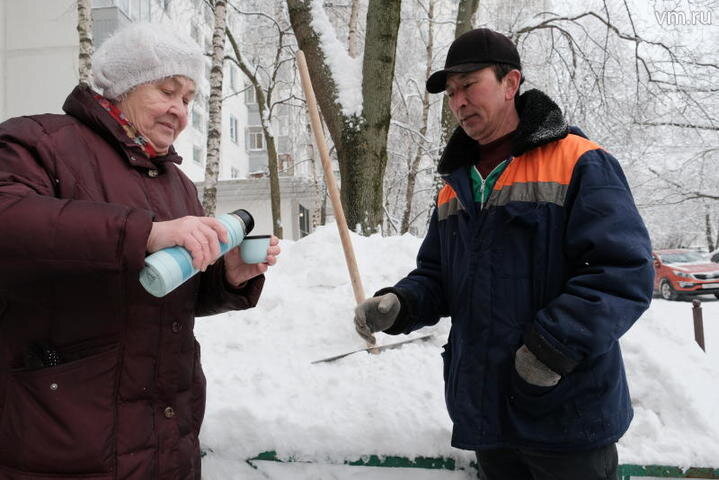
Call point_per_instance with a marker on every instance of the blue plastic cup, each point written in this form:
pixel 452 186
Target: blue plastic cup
pixel 253 248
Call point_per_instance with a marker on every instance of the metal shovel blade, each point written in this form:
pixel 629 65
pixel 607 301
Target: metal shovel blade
pixel 388 346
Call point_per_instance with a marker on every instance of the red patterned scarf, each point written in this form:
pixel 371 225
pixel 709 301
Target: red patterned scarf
pixel 131 131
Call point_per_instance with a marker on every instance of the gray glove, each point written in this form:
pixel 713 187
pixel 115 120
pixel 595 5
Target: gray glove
pixel 375 315
pixel 532 370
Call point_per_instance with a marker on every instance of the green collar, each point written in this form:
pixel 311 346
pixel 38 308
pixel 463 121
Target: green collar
pixel 482 187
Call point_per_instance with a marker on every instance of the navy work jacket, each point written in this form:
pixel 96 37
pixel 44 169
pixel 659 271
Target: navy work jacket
pixel 558 259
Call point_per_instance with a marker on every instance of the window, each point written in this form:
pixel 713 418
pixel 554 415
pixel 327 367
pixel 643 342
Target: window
pixel 124 6
pixel 286 165
pixel 234 173
pixel 137 10
pixel 255 139
pixel 197 154
pixel 304 218
pixel 233 78
pixel 198 118
pixel 233 128
pixel 145 10
pixel 250 98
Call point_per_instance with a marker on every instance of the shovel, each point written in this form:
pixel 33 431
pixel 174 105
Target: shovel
pixel 388 346
pixel 316 126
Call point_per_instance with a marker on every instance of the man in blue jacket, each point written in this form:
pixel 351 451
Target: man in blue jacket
pixel 538 254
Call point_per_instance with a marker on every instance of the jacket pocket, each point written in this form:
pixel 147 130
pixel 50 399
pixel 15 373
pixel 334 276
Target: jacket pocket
pixel 61 419
pixel 533 400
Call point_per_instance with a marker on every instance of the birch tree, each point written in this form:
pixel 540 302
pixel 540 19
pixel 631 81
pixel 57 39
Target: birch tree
pixel 84 30
pixel 353 35
pixel 263 95
pixel 650 94
pixel 423 146
pixel 360 137
pixel 214 125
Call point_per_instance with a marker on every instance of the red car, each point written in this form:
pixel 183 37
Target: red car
pixel 682 272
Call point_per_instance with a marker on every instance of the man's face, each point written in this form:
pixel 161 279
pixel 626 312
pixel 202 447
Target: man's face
pixel 482 104
pixel 159 110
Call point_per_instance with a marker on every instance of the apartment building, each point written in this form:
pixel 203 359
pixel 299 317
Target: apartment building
pixel 39 67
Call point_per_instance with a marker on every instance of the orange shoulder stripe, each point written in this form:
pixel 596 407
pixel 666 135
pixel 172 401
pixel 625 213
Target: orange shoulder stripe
pixel 446 194
pixel 553 162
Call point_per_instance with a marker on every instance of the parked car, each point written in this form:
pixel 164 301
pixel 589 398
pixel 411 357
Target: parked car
pixel 714 256
pixel 681 272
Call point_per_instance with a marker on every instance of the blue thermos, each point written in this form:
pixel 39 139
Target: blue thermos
pixel 167 269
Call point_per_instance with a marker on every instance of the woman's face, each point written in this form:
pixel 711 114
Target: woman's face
pixel 159 110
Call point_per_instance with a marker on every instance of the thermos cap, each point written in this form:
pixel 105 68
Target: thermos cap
pixel 246 219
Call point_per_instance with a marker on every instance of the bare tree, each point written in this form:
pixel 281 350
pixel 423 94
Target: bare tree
pixel 214 125
pixel 709 228
pixel 421 149
pixel 352 37
pixel 359 138
pixel 466 10
pixel 84 29
pixel 265 56
pixel 265 115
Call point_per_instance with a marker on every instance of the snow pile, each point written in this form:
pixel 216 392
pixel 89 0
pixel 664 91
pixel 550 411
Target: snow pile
pixel 263 393
pixel 674 388
pixel 346 71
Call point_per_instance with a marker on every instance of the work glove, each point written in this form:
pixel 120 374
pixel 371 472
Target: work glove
pixel 375 315
pixel 532 370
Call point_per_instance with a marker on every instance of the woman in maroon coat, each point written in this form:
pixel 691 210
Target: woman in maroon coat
pixel 99 379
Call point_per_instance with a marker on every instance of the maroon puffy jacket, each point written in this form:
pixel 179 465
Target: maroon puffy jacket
pixel 98 378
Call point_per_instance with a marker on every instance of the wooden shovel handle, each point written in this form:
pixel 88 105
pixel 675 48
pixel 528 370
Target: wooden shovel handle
pixel 330 180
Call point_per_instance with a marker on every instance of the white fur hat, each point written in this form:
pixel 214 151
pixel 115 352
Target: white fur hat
pixel 143 53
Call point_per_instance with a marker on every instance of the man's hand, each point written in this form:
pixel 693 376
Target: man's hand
pixel 375 315
pixel 238 272
pixel 201 236
pixel 532 370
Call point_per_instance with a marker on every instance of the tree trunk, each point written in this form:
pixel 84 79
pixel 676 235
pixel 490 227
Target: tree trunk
pixel 214 125
pixel 84 29
pixel 352 37
pixel 414 166
pixel 361 142
pixel 318 214
pixel 709 230
pixel 465 13
pixel 274 179
pixel 265 118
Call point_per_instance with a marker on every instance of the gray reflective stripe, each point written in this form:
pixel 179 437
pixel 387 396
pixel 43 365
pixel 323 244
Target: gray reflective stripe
pixel 449 208
pixel 550 192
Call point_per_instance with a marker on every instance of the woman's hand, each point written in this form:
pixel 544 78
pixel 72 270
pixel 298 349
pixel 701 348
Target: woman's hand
pixel 238 272
pixel 201 236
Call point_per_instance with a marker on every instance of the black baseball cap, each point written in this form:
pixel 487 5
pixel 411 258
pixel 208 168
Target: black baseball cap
pixel 472 51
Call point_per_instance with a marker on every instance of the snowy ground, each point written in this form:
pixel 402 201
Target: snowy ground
pixel 264 395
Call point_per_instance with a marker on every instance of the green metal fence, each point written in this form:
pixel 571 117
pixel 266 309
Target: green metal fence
pixel 625 472
pixel 633 471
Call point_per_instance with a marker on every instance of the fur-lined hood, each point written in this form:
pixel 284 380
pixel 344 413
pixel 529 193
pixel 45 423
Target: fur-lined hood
pixel 540 122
